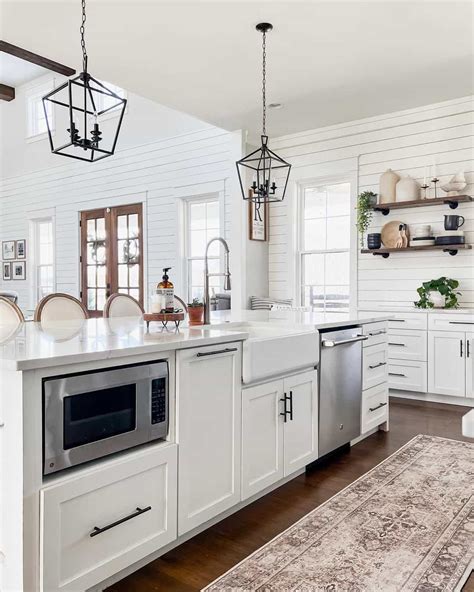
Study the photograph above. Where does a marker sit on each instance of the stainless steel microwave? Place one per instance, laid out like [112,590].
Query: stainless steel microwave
[90,415]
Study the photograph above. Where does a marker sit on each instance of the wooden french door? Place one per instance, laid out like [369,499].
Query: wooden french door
[111,255]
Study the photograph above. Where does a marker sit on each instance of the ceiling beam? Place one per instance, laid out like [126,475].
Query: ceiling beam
[34,58]
[7,93]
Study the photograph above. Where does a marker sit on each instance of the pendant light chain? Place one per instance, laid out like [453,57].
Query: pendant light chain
[264,82]
[83,41]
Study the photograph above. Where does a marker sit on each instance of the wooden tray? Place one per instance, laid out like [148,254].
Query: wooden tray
[164,318]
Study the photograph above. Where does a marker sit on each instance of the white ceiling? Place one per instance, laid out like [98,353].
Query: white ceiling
[15,71]
[328,61]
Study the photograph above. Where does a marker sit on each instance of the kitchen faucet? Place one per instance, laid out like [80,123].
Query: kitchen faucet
[207,275]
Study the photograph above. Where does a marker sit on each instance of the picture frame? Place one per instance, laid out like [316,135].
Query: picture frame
[258,221]
[6,271]
[19,270]
[20,249]
[8,250]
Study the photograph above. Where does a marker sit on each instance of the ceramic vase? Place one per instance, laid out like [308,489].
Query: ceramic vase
[407,189]
[437,299]
[388,182]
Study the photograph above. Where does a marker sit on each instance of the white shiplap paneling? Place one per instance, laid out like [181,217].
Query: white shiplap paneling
[406,141]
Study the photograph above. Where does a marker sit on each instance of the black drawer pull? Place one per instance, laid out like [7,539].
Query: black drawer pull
[378,407]
[285,411]
[138,512]
[397,320]
[399,344]
[217,351]
[397,374]
[378,365]
[291,405]
[382,332]
[461,322]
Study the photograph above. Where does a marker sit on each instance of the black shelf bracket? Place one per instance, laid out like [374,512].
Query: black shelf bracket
[383,211]
[452,252]
[453,204]
[384,255]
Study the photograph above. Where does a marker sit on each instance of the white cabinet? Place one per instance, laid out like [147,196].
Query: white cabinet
[274,443]
[374,365]
[470,365]
[208,396]
[407,345]
[446,363]
[374,407]
[104,519]
[407,375]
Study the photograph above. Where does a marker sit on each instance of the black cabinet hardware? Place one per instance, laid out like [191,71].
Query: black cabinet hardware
[468,348]
[460,348]
[285,411]
[461,322]
[382,332]
[398,344]
[397,320]
[378,407]
[291,405]
[378,365]
[138,512]
[397,374]
[217,351]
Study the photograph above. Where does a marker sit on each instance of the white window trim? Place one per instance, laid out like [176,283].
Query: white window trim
[38,91]
[114,113]
[183,221]
[297,220]
[32,257]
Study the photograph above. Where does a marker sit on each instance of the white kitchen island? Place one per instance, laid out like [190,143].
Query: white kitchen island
[209,451]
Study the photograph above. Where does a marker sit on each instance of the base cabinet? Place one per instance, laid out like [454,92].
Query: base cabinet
[208,394]
[274,443]
[446,363]
[101,522]
[470,365]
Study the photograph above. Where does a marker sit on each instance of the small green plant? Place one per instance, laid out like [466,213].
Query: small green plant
[196,303]
[365,202]
[445,286]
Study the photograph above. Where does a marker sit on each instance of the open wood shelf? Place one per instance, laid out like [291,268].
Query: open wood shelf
[451,249]
[452,202]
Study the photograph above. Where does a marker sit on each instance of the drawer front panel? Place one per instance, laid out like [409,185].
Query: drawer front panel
[376,333]
[408,376]
[451,322]
[374,407]
[409,320]
[374,370]
[129,508]
[408,345]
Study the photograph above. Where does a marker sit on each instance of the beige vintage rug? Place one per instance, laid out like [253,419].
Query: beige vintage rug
[406,525]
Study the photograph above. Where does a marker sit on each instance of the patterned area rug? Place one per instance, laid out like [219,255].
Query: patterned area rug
[406,525]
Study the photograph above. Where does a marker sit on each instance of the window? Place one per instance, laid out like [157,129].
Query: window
[324,254]
[105,101]
[43,277]
[111,255]
[35,112]
[202,224]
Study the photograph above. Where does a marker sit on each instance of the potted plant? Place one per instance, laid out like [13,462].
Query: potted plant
[440,293]
[365,202]
[195,312]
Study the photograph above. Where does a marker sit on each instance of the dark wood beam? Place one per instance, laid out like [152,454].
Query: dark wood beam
[34,58]
[7,93]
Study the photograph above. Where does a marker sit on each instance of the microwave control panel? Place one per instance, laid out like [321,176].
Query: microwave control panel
[158,400]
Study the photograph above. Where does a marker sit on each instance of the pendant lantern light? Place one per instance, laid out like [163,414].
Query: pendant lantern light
[84,100]
[270,171]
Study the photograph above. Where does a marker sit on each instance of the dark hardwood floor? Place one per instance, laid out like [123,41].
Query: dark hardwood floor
[192,565]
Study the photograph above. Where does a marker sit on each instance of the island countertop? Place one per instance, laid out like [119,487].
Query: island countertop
[32,345]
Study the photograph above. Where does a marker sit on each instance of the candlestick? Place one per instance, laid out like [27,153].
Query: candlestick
[435,180]
[424,187]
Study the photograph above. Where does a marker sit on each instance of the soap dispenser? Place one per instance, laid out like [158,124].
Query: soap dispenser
[165,290]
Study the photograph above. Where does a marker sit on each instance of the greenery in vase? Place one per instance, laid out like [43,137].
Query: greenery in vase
[365,203]
[196,303]
[445,286]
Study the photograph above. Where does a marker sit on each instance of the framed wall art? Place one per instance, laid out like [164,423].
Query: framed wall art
[8,250]
[20,246]
[19,270]
[258,221]
[7,271]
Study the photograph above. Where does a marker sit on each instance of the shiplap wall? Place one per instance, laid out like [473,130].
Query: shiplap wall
[405,141]
[155,174]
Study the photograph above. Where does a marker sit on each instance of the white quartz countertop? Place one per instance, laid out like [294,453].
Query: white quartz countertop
[32,345]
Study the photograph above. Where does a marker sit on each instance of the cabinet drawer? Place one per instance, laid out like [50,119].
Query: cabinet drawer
[408,376]
[374,365]
[451,322]
[409,320]
[408,345]
[374,407]
[100,522]
[376,333]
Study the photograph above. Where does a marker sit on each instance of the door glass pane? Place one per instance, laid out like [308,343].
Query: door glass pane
[133,273]
[122,229]
[100,229]
[91,275]
[133,226]
[101,296]
[91,230]
[101,274]
[123,276]
[91,300]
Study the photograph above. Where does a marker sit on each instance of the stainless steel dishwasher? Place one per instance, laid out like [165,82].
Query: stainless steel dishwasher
[340,387]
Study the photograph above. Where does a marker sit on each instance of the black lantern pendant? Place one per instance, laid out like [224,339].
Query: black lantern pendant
[85,100]
[271,172]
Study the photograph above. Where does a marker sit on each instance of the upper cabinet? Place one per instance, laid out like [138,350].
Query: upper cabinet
[208,397]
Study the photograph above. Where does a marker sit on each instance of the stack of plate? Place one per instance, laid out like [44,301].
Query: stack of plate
[422,237]
[450,237]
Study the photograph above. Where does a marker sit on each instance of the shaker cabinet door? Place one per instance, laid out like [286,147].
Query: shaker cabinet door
[446,363]
[262,437]
[208,396]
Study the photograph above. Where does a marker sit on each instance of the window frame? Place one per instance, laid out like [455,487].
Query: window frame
[34,253]
[187,259]
[336,179]
[33,97]
[114,112]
